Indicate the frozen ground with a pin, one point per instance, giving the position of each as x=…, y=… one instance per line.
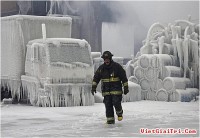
x=89, y=121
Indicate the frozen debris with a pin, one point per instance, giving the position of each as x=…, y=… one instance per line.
x=151, y=73
x=169, y=56
x=167, y=49
x=145, y=60
x=161, y=44
x=153, y=30
x=145, y=84
x=172, y=71
x=186, y=95
x=172, y=83
x=139, y=73
x=162, y=95
x=157, y=85
x=144, y=94
x=151, y=95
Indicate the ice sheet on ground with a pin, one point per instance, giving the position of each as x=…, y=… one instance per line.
x=89, y=121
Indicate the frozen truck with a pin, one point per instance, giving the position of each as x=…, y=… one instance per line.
x=56, y=71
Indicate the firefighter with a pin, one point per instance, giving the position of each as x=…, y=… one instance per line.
x=112, y=77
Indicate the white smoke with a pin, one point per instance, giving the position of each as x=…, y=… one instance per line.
x=142, y=14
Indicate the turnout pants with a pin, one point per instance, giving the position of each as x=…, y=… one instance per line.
x=110, y=101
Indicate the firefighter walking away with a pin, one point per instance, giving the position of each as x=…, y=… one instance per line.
x=113, y=77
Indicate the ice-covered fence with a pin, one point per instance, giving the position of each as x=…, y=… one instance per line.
x=134, y=93
x=17, y=30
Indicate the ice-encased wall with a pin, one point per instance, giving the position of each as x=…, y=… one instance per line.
x=168, y=61
x=17, y=31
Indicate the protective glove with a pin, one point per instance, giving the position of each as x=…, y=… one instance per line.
x=126, y=90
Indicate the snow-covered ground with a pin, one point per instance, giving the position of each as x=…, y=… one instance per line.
x=89, y=121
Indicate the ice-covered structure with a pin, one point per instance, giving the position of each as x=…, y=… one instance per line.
x=17, y=31
x=56, y=71
x=167, y=67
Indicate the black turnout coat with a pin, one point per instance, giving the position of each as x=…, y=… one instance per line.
x=112, y=77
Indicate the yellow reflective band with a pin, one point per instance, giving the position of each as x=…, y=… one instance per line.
x=110, y=79
x=112, y=92
x=105, y=80
x=94, y=83
x=110, y=118
x=125, y=84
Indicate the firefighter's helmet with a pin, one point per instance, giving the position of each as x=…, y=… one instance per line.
x=107, y=55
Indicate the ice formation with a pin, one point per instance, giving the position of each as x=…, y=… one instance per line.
x=167, y=64
x=17, y=31
x=134, y=93
x=63, y=69
x=184, y=95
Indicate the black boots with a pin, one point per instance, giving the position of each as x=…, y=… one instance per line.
x=110, y=120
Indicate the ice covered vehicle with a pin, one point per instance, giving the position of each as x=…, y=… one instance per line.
x=47, y=61
x=58, y=72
